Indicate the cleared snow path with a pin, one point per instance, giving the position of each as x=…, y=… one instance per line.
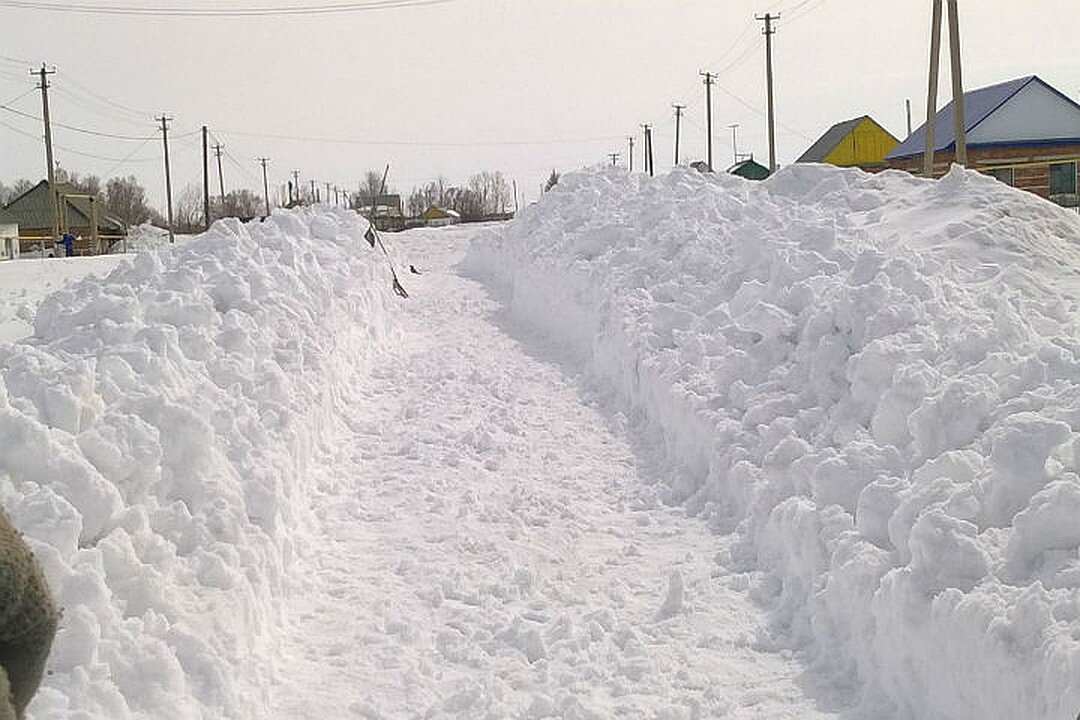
x=487, y=543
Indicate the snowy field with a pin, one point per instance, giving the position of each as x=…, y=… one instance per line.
x=680, y=447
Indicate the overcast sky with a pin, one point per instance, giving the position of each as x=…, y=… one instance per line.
x=455, y=87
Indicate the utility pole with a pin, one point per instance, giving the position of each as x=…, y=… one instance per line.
x=205, y=179
x=43, y=85
x=221, y=178
x=769, y=30
x=296, y=184
x=708, y=114
x=957, y=83
x=266, y=186
x=907, y=103
x=514, y=181
x=647, y=150
x=678, y=117
x=614, y=157
x=313, y=195
x=631, y=155
x=164, y=120
x=931, y=95
x=734, y=143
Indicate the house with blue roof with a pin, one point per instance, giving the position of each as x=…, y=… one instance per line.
x=1023, y=132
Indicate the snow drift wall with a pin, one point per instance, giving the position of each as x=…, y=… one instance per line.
x=874, y=379
x=154, y=435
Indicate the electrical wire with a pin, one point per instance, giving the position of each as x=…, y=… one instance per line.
x=264, y=11
x=96, y=133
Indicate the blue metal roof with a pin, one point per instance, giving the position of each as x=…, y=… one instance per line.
x=978, y=105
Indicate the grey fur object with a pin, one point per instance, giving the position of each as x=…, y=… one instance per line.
x=28, y=621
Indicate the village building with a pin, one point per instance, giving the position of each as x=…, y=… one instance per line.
x=9, y=236
x=439, y=217
x=81, y=215
x=1023, y=132
x=749, y=169
x=860, y=142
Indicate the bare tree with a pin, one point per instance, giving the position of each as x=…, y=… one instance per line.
x=370, y=188
x=188, y=209
x=242, y=204
x=491, y=190
x=125, y=199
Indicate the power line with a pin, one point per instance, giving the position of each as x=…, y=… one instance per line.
x=409, y=143
x=73, y=128
x=264, y=11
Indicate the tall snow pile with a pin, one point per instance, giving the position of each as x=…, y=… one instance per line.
x=874, y=380
x=154, y=434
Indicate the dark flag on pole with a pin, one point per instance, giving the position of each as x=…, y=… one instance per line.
x=370, y=236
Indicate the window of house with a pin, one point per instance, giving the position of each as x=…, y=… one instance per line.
x=1005, y=175
x=1063, y=179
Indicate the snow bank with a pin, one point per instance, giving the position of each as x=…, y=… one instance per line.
x=874, y=379
x=155, y=432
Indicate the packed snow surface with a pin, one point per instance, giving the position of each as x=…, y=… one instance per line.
x=672, y=447
x=873, y=381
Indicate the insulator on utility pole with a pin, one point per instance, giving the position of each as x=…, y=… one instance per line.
x=54, y=199
x=768, y=32
x=709, y=78
x=678, y=116
x=164, y=120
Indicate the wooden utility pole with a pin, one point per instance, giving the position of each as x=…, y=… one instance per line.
x=678, y=117
x=266, y=185
x=631, y=155
x=220, y=177
x=931, y=95
x=43, y=85
x=295, y=184
x=164, y=120
x=957, y=83
x=647, y=151
x=769, y=30
x=708, y=115
x=614, y=158
x=206, y=178
x=514, y=181
x=314, y=196
x=734, y=143
x=907, y=104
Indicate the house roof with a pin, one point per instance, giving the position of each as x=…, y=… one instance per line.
x=816, y=153
x=435, y=212
x=7, y=218
x=978, y=106
x=33, y=209
x=750, y=169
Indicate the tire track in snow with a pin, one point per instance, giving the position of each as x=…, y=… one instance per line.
x=486, y=544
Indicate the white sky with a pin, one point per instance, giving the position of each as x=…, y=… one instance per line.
x=521, y=86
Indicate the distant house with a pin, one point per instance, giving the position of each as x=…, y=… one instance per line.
x=33, y=212
x=438, y=217
x=749, y=169
x=859, y=142
x=9, y=236
x=386, y=212
x=1023, y=132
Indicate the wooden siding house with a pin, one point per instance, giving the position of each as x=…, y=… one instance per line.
x=1023, y=132
x=33, y=212
x=860, y=142
x=438, y=217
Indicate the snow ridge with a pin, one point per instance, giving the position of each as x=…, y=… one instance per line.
x=156, y=431
x=873, y=379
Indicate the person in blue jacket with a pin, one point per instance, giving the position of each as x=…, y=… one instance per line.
x=68, y=241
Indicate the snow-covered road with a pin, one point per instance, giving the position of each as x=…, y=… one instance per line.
x=488, y=542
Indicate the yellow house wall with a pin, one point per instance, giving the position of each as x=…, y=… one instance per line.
x=864, y=145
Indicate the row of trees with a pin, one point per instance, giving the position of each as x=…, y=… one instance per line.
x=485, y=194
